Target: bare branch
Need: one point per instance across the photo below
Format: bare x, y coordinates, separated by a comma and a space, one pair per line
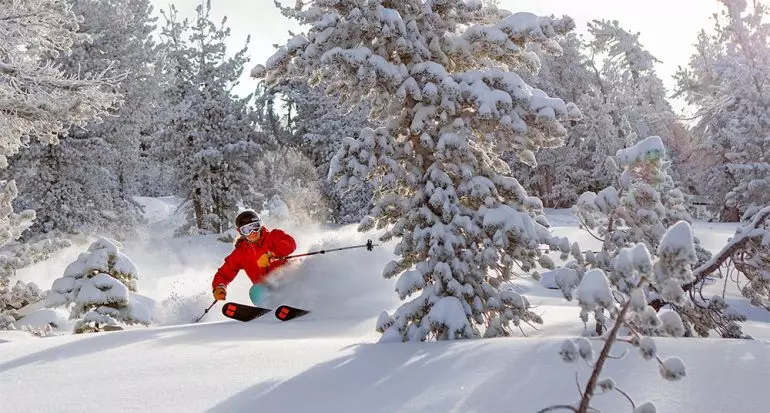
577, 382
562, 406
630, 400
589, 392
744, 234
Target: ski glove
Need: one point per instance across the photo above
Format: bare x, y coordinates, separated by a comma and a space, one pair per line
220, 293
265, 260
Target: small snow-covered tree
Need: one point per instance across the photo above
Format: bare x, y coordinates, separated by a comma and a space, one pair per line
37, 102
100, 290
642, 205
211, 138
16, 255
640, 272
727, 81
439, 76
640, 211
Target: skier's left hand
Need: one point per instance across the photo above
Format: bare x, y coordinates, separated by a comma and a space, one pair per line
266, 259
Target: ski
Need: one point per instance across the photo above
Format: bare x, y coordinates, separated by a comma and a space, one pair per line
287, 312
243, 312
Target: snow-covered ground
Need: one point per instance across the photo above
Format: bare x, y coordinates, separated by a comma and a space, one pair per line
329, 360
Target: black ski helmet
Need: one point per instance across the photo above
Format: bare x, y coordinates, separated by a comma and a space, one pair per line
246, 217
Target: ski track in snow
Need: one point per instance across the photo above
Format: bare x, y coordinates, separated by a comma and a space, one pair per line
327, 360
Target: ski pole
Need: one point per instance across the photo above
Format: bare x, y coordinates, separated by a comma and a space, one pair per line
369, 246
205, 312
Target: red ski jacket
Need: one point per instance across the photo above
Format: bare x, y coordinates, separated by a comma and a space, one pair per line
245, 256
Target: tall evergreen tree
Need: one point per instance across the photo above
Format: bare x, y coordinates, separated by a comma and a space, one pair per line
438, 75
87, 182
33, 30
211, 136
727, 82
611, 77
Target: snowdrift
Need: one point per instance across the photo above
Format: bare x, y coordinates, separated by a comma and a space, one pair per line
332, 366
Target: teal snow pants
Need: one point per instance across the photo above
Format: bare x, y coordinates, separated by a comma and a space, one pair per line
256, 294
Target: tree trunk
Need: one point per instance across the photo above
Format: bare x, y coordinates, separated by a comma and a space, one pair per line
730, 214
198, 208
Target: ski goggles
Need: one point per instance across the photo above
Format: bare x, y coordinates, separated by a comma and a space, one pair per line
250, 227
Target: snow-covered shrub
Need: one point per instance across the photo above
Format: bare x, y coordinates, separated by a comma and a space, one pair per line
629, 309
20, 295
15, 256
99, 289
44, 322
439, 77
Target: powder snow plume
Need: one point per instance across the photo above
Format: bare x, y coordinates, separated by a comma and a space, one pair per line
177, 271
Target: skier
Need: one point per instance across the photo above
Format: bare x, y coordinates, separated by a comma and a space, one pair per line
258, 251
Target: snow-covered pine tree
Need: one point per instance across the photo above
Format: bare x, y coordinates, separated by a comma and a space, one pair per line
69, 189
16, 255
727, 83
564, 172
13, 256
33, 30
611, 78
87, 182
628, 68
211, 138
100, 290
642, 203
440, 77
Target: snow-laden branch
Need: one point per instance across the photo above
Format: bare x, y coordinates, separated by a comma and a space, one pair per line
744, 234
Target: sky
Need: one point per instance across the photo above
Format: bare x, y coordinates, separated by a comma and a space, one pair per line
668, 27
